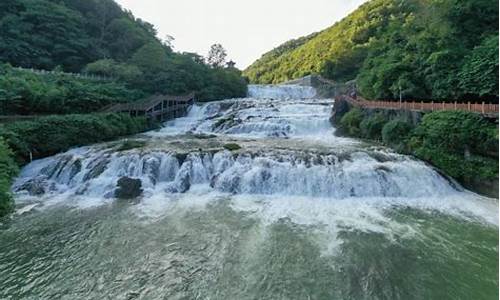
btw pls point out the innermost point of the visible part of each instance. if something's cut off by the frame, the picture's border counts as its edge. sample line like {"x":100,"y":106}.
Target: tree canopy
{"x":99,"y":37}
{"x":217,"y":56}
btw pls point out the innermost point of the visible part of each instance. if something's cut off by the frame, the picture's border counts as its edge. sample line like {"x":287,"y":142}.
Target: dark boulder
{"x":128,"y":188}
{"x":184,"y":183}
{"x":34,"y":187}
{"x":340,"y":108}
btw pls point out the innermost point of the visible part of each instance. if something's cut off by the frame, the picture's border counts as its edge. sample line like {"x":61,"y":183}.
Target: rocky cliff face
{"x":340,"y":108}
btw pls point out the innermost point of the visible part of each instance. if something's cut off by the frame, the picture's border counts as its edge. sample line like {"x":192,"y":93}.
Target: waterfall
{"x":288,"y":148}
{"x":291,"y":211}
{"x":281,"y":92}
{"x":357,"y":174}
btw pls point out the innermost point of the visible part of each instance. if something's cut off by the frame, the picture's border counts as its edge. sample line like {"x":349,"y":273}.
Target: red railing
{"x":483,"y":108}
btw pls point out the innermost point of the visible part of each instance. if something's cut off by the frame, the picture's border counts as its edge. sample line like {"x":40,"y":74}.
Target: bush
{"x":458,"y":132}
{"x":371,"y":127}
{"x":49,"y":135}
{"x":111,"y":68}
{"x":395,"y":134}
{"x":462,"y":144}
{"x":8,"y":169}
{"x":350,"y":122}
{"x":454,"y":165}
{"x":26,"y":93}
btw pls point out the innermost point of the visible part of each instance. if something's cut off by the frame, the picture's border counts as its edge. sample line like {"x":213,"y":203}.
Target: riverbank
{"x":460,"y":144}
{"x":24,"y":141}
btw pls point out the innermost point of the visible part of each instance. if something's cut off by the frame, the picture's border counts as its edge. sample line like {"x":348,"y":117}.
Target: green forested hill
{"x":69,"y":33}
{"x":98,"y":36}
{"x":435,"y":49}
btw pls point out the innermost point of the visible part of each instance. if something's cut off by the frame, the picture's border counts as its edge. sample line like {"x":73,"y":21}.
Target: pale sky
{"x":246,"y":29}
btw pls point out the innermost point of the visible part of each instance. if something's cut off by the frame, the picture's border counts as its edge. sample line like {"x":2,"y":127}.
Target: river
{"x":295,"y":213}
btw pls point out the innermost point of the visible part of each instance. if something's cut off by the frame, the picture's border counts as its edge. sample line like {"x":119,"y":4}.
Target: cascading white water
{"x":281,"y":92}
{"x":292,"y":212}
{"x":358,"y":174}
{"x":253,"y":117}
{"x":304,"y":159}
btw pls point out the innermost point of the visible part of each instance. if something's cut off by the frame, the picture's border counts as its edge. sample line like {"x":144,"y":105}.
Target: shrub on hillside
{"x":464,"y":170}
{"x":50,"y":135}
{"x":371,"y":127}
{"x":27,"y":93}
{"x":395,"y":134}
{"x":350,"y":122}
{"x":8,"y":169}
{"x":458,"y":132}
{"x":462,"y":144}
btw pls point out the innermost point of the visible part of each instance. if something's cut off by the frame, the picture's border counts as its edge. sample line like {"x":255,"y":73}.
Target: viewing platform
{"x":158,"y":107}
{"x":486,"y":109}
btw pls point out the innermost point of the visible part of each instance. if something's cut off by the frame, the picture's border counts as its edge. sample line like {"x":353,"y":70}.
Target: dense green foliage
{"x":24,"y":92}
{"x":71,"y":33}
{"x":463,"y":144}
{"x":8,"y":169}
{"x":428,"y":49}
{"x":46,"y":136}
{"x":478,"y":74}
{"x":99,"y":37}
{"x":395,"y":134}
{"x":350,"y":122}
{"x":371,"y":126}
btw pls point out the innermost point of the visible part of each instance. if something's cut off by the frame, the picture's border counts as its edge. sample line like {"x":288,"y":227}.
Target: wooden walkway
{"x":158,"y":107}
{"x":487,"y":109}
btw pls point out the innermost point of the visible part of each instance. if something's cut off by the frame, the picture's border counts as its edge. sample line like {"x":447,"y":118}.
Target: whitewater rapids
{"x":293,"y":212}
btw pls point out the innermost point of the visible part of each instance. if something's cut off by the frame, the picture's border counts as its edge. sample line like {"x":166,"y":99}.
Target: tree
{"x":168,"y":41}
{"x":479,"y":74}
{"x":217,"y":56}
{"x":151,"y":56}
{"x":111,"y":68}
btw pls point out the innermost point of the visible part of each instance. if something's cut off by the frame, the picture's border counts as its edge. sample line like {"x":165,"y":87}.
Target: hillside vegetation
{"x":99,"y":37}
{"x":428,"y":49}
{"x":27,"y":93}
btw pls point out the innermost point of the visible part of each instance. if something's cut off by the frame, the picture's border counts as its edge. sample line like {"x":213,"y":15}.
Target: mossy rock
{"x":204,"y":136}
{"x":131,"y":144}
{"x":232,"y":147}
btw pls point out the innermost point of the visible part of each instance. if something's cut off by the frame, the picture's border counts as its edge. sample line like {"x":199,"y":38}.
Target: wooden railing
{"x":483,"y":108}
{"x":76,"y":75}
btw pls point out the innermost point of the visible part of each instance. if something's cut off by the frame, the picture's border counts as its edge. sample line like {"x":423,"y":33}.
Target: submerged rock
{"x":128,"y":188}
{"x":232,"y":146}
{"x":184,"y":184}
{"x":34,"y":187}
{"x":131,"y":144}
{"x":96,"y":168}
{"x":75,"y":168}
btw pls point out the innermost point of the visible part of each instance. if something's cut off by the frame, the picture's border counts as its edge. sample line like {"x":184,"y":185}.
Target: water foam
{"x":281,"y":92}
{"x":301,"y":184}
